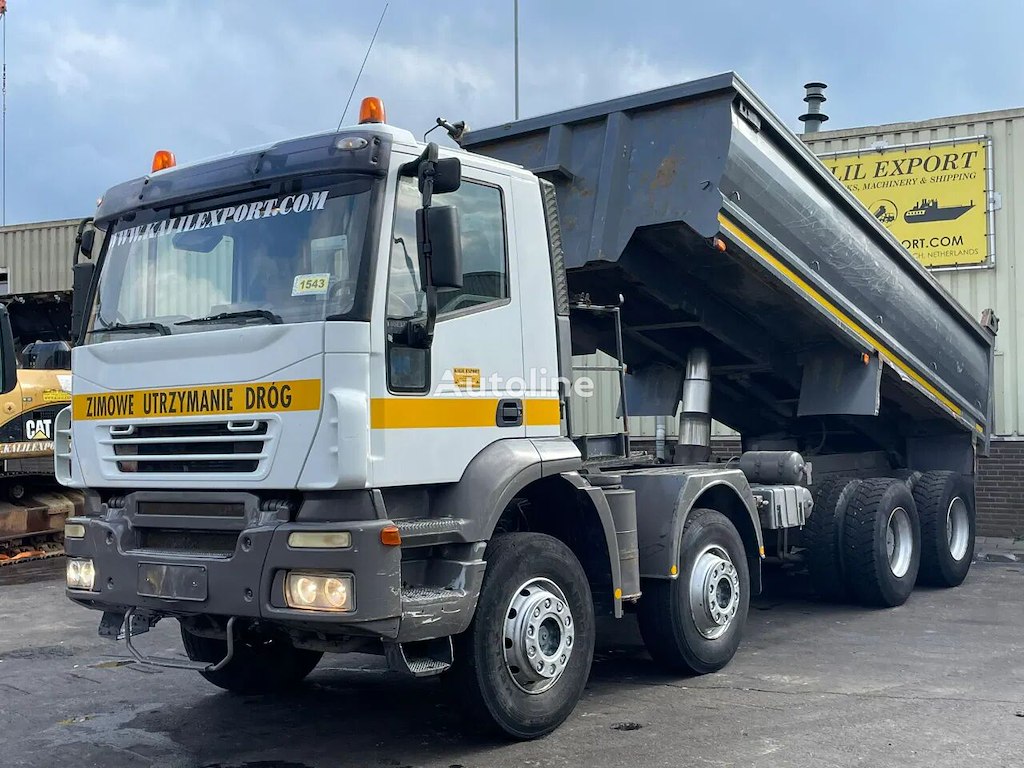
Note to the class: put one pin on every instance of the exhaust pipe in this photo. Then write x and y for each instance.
(814, 95)
(694, 445)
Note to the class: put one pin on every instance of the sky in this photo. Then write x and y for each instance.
(95, 87)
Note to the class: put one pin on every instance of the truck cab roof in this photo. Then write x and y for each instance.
(245, 168)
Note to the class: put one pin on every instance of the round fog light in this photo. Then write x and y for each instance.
(74, 574)
(305, 590)
(336, 592)
(88, 575)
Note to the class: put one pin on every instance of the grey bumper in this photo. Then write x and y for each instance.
(248, 582)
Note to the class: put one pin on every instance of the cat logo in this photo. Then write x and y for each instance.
(39, 429)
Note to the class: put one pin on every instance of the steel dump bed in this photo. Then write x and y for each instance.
(809, 285)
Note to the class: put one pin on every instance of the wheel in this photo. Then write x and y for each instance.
(693, 623)
(522, 665)
(881, 542)
(945, 502)
(261, 664)
(823, 536)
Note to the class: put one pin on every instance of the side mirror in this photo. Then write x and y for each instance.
(447, 175)
(443, 265)
(8, 358)
(81, 281)
(88, 239)
(85, 238)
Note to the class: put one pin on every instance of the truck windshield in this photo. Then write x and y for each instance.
(288, 258)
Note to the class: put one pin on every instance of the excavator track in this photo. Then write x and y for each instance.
(33, 508)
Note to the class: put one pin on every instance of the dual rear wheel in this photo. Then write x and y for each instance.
(874, 539)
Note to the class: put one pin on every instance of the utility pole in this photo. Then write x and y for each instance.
(3, 115)
(515, 24)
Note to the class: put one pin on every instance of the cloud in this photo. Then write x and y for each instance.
(95, 87)
(71, 58)
(209, 80)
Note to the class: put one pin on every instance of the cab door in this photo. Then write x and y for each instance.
(444, 405)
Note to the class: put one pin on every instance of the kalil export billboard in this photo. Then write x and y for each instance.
(933, 198)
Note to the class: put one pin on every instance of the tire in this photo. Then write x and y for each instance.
(823, 535)
(945, 503)
(263, 664)
(528, 574)
(908, 476)
(881, 511)
(668, 615)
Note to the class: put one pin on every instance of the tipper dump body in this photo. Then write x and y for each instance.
(807, 282)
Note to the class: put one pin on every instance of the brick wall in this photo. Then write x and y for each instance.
(1000, 484)
(1000, 490)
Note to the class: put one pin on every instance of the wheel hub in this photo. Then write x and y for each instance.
(714, 591)
(539, 635)
(958, 528)
(899, 543)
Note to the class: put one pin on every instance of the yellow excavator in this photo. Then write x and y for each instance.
(33, 506)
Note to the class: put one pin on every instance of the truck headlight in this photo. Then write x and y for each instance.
(318, 591)
(81, 573)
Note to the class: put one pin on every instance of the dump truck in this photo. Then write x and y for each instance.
(320, 399)
(33, 505)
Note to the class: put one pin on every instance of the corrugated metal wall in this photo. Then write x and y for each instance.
(997, 287)
(37, 257)
(597, 415)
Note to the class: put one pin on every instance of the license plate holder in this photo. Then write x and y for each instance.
(173, 582)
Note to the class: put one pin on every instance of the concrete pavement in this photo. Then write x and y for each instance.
(937, 682)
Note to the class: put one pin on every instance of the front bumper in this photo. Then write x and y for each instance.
(246, 580)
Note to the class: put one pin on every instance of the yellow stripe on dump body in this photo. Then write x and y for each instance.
(223, 399)
(837, 313)
(449, 412)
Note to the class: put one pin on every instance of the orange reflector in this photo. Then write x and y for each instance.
(865, 358)
(163, 158)
(371, 110)
(390, 537)
(719, 244)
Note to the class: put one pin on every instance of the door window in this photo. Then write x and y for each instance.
(484, 257)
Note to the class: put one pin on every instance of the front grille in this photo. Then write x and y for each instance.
(194, 542)
(194, 465)
(190, 509)
(190, 447)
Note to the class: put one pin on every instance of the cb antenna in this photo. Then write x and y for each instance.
(360, 73)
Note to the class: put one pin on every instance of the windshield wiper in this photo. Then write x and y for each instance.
(160, 327)
(244, 314)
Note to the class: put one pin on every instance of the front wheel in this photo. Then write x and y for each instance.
(263, 663)
(694, 623)
(524, 661)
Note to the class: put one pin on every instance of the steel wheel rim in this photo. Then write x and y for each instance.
(539, 635)
(714, 592)
(958, 528)
(899, 542)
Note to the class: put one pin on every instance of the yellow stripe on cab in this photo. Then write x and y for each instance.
(220, 399)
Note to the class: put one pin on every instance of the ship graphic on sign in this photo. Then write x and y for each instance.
(930, 210)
